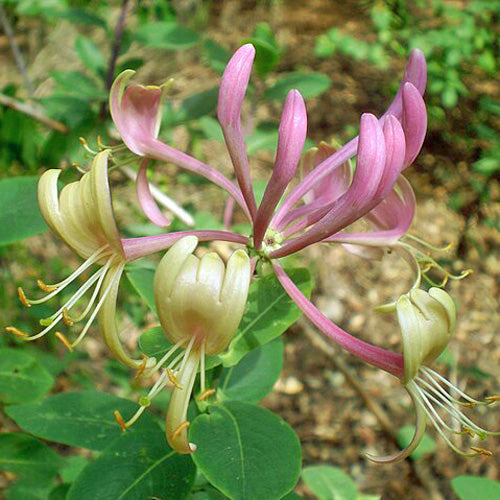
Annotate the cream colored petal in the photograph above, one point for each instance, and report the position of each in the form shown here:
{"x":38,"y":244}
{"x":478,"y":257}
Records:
{"x":412,"y":338}
{"x":48,"y":200}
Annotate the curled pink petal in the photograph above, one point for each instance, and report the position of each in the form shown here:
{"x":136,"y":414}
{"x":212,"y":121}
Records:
{"x":414,"y":121}
{"x":146,"y":201}
{"x":231,"y":94}
{"x":292,"y":135}
{"x":136,"y":111}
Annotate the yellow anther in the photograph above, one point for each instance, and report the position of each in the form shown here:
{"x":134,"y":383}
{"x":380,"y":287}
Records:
{"x":15,"y":331}
{"x":481,"y":451}
{"x":173,"y":379}
{"x":206,"y":394}
{"x":46,"y":288}
{"x":119,"y":419}
{"x":99,"y":142}
{"x":22,"y":297}
{"x":59,"y":336}
{"x":66,"y":317}
{"x":467,"y":431}
{"x":142,"y":368}
{"x":468,"y":404}
{"x":180,"y":428}
{"x":492,"y":399}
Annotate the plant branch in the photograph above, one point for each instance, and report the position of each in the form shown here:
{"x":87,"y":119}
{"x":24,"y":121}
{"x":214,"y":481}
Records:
{"x":32,"y":112}
{"x":18,"y":57}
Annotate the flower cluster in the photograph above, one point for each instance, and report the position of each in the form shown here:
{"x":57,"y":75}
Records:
{"x":200,"y":302}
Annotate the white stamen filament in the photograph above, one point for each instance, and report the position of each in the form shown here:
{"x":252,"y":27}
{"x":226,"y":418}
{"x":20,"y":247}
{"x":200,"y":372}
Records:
{"x":202,"y":368}
{"x":64,"y":283}
{"x":167,"y":356}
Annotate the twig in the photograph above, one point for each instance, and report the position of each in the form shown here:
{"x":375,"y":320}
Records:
{"x":32,"y":112}
{"x":115,"y":49}
{"x":18,"y":57}
{"x":421,"y":471}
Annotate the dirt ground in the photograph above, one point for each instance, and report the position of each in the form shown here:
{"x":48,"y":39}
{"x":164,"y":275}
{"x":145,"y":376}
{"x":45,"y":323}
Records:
{"x":332,"y":420}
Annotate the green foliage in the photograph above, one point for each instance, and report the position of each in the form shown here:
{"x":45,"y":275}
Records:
{"x":474,"y":487}
{"x":136,"y":466}
{"x":267,"y":50}
{"x":426,"y":446}
{"x":83,"y":419}
{"x":329,"y":483}
{"x":247,"y":466}
{"x":19,"y":203}
{"x":308,"y":84}
{"x":22,"y":378}
{"x":166,"y":35}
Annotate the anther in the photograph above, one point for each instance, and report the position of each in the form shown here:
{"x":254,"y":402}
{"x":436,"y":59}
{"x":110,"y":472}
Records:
{"x":142,"y":368}
{"x":173,"y":379}
{"x":467,"y":404}
{"x":119,"y":419}
{"x":492,"y":399}
{"x":180,"y":428}
{"x":66,"y":317}
{"x":59,"y":336}
{"x":46,"y":288}
{"x":467,"y":431}
{"x":481,"y":451}
{"x":99,"y":142}
{"x":22,"y":297}
{"x":15,"y":331}
{"x":206,"y":394}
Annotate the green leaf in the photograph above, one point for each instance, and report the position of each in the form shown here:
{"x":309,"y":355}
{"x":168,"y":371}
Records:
{"x":81,"y":16}
{"x":22,"y":378}
{"x":270,"y":311}
{"x":267,"y":50}
{"x":142,"y":278}
{"x":90,"y":54}
{"x":78,"y":84}
{"x":215,"y":55}
{"x":26,"y":456}
{"x":253,"y":378}
{"x":83,"y":419}
{"x":19,"y":213}
{"x":196,"y":106}
{"x":329,"y":483}
{"x":245,"y":451}
{"x":308,"y":84}
{"x":166,"y":35}
{"x":475,"y":487}
{"x":426,"y":446}
{"x":136,"y":466}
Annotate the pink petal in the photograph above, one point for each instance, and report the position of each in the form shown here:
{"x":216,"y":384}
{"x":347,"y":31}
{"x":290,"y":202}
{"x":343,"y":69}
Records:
{"x":414,"y":121}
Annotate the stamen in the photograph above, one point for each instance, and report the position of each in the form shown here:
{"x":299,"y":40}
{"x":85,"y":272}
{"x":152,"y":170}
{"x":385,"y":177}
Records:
{"x":167,"y":355}
{"x":180,"y":428}
{"x":141,"y":368}
{"x":206,"y":394}
{"x":173,"y":379}
{"x":119,"y":419}
{"x":64,"y":341}
{"x":202,"y":369}
{"x":86,"y":146}
{"x":15,"y":331}
{"x":492,"y":399}
{"x":468,"y":431}
{"x":482,"y":451}
{"x":66,"y":317}
{"x":45,"y":287}
{"x":22,"y":297}
{"x":99,"y":143}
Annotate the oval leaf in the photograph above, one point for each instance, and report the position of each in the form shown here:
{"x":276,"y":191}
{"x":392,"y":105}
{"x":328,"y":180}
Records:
{"x":253,"y":378}
{"x":136,"y":466}
{"x":19,"y":213}
{"x":475,"y":487}
{"x":308,"y":84}
{"x":22,"y":378}
{"x":83,"y":419}
{"x":329,"y":483}
{"x":247,"y":452}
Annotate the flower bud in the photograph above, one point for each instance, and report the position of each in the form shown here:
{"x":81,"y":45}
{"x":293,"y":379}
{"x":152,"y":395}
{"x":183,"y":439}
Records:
{"x":427,"y":320}
{"x":201,"y":298}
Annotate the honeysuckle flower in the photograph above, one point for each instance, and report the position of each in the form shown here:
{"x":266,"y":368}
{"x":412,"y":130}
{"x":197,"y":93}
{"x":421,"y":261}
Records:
{"x":136,"y":112}
{"x":82,"y":216}
{"x":427,"y":321}
{"x":200,"y":303}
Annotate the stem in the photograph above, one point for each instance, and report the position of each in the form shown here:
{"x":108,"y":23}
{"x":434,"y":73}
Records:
{"x":18,"y":57}
{"x":135,"y":248}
